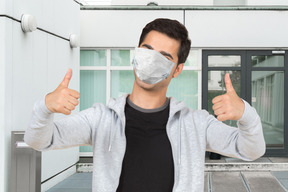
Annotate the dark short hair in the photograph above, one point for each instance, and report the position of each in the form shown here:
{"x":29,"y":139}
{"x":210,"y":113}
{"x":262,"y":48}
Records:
{"x":173,"y":29}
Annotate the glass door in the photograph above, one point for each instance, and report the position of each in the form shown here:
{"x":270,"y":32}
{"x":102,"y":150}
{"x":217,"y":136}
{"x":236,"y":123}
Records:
{"x":267,"y":81}
{"x":259,"y":77}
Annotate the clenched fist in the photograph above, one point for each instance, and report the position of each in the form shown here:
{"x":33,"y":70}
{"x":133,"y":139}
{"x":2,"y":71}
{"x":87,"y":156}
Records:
{"x":62,"y":99}
{"x":228,"y":106}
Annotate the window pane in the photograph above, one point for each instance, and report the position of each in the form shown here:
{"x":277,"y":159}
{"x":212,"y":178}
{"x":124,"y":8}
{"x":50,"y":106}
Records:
{"x":224,"y":61}
{"x":121,"y":57}
{"x":86,"y":149}
{"x":193,"y":58}
{"x":216,"y":86}
{"x":185,"y":88}
{"x":121,"y":82}
{"x":92,"y":88}
{"x":268,"y":100}
{"x":93,"y":58}
{"x":268,"y":61}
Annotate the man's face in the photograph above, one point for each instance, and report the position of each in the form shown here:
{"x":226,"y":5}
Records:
{"x":166,"y":46}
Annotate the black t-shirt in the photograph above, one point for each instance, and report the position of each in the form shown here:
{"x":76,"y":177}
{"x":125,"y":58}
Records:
{"x":148,"y":161}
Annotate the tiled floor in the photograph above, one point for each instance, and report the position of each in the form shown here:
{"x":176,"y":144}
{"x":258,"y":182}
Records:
{"x":78,"y":182}
{"x":81,"y":182}
{"x":282,"y":177}
{"x":241,"y":180}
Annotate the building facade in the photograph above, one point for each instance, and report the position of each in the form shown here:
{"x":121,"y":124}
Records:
{"x":248,"y":42}
{"x":246,"y":39}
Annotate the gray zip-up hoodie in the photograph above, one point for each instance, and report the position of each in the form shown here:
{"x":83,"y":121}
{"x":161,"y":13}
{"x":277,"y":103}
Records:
{"x":191,"y":133}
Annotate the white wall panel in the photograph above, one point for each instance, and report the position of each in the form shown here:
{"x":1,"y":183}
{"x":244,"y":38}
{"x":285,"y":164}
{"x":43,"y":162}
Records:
{"x":237,"y":28}
{"x":32,"y":7}
{"x":60,"y":58}
{"x":55,"y":161}
{"x":57,"y":65}
{"x":46,"y":19}
{"x":2,"y":102}
{"x":29,"y":63}
{"x":117,"y":28}
{"x":5,"y":100}
{"x":23,"y":92}
{"x":40,"y":62}
{"x":6,"y":7}
{"x":8,"y":95}
{"x":66,"y":22}
{"x":40,"y":65}
{"x":2,"y":6}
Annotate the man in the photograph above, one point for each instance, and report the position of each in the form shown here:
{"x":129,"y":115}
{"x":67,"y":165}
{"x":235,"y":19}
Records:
{"x":145,"y":141}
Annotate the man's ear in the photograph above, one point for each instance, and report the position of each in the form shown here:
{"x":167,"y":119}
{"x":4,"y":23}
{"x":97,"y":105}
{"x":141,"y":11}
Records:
{"x":178,"y":70}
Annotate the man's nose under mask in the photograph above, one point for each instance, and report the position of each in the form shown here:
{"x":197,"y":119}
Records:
{"x":151,"y":66}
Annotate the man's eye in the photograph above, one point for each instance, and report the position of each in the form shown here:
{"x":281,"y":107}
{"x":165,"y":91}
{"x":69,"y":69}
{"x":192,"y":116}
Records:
{"x":168,"y":58}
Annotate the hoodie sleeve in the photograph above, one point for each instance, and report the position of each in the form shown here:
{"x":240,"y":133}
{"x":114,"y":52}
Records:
{"x":43,"y":133}
{"x":245,"y":142}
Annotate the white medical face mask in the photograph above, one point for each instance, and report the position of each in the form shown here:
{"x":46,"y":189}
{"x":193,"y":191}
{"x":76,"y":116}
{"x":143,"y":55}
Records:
{"x":151,"y":66}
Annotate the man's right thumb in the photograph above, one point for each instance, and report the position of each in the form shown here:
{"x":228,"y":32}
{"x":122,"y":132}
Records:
{"x":67,"y":78}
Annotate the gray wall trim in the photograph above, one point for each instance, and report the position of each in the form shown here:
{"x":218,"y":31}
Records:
{"x":201,"y":8}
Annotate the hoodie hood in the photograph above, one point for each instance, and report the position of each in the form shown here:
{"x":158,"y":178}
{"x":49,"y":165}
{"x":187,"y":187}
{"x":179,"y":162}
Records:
{"x":118,"y":105}
{"x":175,"y":106}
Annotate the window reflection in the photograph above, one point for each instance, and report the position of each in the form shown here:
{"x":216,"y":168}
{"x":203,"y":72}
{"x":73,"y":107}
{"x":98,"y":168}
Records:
{"x":185,"y":88}
{"x":268,"y":100}
{"x":95,"y":57}
{"x":268,"y":61}
{"x":121,"y":82}
{"x":92,"y":88}
{"x":121,"y":57}
{"x":224,"y":61}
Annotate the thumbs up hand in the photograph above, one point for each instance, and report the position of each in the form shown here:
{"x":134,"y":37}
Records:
{"x":228,"y":106}
{"x":62,"y":99}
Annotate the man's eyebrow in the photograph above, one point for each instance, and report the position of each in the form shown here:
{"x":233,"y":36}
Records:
{"x":162,"y":52}
{"x":166,"y":54}
{"x":147,"y":46}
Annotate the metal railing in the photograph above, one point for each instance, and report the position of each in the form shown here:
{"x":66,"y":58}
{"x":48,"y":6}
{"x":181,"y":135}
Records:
{"x":25,"y":165}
